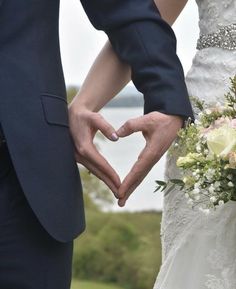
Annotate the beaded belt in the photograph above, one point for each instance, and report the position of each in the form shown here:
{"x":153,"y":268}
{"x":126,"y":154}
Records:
{"x":224,"y":38}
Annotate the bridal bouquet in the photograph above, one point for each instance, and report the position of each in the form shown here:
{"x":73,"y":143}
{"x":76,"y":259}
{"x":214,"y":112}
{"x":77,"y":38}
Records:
{"x":206,"y":155}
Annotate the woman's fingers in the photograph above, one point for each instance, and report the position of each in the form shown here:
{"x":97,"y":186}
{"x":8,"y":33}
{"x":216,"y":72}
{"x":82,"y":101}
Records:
{"x":93,"y":169}
{"x":99,"y":123}
{"x":99,"y":166}
{"x":83,"y":126}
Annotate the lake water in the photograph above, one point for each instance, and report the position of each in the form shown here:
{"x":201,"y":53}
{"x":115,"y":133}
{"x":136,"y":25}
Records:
{"x":123,"y":154}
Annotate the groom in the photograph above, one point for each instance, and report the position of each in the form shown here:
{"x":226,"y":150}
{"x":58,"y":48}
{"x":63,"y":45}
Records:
{"x":41,"y":204}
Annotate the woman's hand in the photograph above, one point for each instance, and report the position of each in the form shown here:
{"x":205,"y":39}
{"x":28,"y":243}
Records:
{"x":83,"y":126}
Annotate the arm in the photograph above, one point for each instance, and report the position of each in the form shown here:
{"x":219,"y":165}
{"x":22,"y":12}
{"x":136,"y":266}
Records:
{"x":109,"y":75}
{"x":170,"y":9}
{"x":142,"y":39}
{"x":106,"y":78}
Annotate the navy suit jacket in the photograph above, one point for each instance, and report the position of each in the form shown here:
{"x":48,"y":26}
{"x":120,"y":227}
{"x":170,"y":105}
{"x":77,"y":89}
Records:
{"x":33,"y":107}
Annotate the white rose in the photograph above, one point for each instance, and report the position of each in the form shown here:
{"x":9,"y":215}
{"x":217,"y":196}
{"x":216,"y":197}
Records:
{"x":222,"y":141}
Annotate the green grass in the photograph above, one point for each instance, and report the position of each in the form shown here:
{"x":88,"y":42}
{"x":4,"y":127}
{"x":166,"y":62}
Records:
{"x":92,"y":285}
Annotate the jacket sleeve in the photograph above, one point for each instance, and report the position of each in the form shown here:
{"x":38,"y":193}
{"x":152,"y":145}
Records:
{"x":147,"y":43}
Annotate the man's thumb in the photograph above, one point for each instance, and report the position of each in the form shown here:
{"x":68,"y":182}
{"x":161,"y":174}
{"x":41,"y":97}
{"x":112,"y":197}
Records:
{"x":131,"y":126}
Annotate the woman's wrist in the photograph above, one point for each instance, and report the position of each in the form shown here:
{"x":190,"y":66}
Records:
{"x":82,"y":102}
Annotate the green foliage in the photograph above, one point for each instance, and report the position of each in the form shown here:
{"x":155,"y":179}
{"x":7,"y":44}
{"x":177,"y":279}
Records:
{"x":96,"y":194}
{"x":186,"y":141}
{"x":92,"y":285}
{"x":231,"y":95}
{"x":229,"y":111}
{"x":120,"y":248}
{"x":197,"y":103}
{"x":71,"y":92}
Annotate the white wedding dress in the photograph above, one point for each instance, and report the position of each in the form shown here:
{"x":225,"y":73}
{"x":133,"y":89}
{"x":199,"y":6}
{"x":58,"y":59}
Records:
{"x":199,"y":251}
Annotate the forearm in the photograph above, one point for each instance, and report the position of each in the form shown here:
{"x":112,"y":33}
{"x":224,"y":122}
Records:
{"x":170,"y":9}
{"x":106,"y":78}
{"x":142,"y":39}
{"x":109,"y":75}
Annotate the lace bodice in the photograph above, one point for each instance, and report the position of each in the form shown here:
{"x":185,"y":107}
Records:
{"x":214,"y":14}
{"x":212,"y":67}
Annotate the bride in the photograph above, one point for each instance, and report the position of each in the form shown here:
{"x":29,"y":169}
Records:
{"x":199,"y":252}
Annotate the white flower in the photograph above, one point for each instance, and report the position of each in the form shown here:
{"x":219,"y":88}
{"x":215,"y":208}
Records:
{"x":213,"y":199}
{"x":221,"y":141}
{"x":188,"y":160}
{"x":221,"y":203}
{"x":230,"y":177}
{"x":197,"y":197}
{"x":198,"y":148}
{"x":196,"y":191}
{"x":210,"y":174}
{"x":211,"y":189}
{"x":186,"y":195}
{"x":230,"y":184}
{"x":176,"y":144}
{"x":217,"y":184}
{"x":197,"y":185}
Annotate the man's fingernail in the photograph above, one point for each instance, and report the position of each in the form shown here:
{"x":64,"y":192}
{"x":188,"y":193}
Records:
{"x":114,"y":136}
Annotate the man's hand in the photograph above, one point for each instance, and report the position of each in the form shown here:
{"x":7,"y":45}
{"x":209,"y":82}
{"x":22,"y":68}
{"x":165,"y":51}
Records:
{"x":159,"y":131}
{"x":83,"y":126}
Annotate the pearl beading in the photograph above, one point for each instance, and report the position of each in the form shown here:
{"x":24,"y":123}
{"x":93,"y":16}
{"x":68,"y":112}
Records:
{"x":224,"y":38}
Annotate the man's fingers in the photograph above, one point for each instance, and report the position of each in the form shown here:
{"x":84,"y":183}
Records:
{"x":131,"y":126}
{"x":140,"y":169}
{"x":108,"y":130}
{"x":149,"y":156}
{"x":159,"y":131}
{"x":121,"y":202}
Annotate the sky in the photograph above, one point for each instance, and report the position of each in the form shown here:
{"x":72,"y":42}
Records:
{"x":80,"y":42}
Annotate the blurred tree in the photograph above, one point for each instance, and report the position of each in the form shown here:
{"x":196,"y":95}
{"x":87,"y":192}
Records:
{"x":72,"y":90}
{"x":97,"y":195}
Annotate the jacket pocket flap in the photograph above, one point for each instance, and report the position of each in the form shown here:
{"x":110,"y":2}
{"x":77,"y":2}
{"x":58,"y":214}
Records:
{"x":55,"y":109}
